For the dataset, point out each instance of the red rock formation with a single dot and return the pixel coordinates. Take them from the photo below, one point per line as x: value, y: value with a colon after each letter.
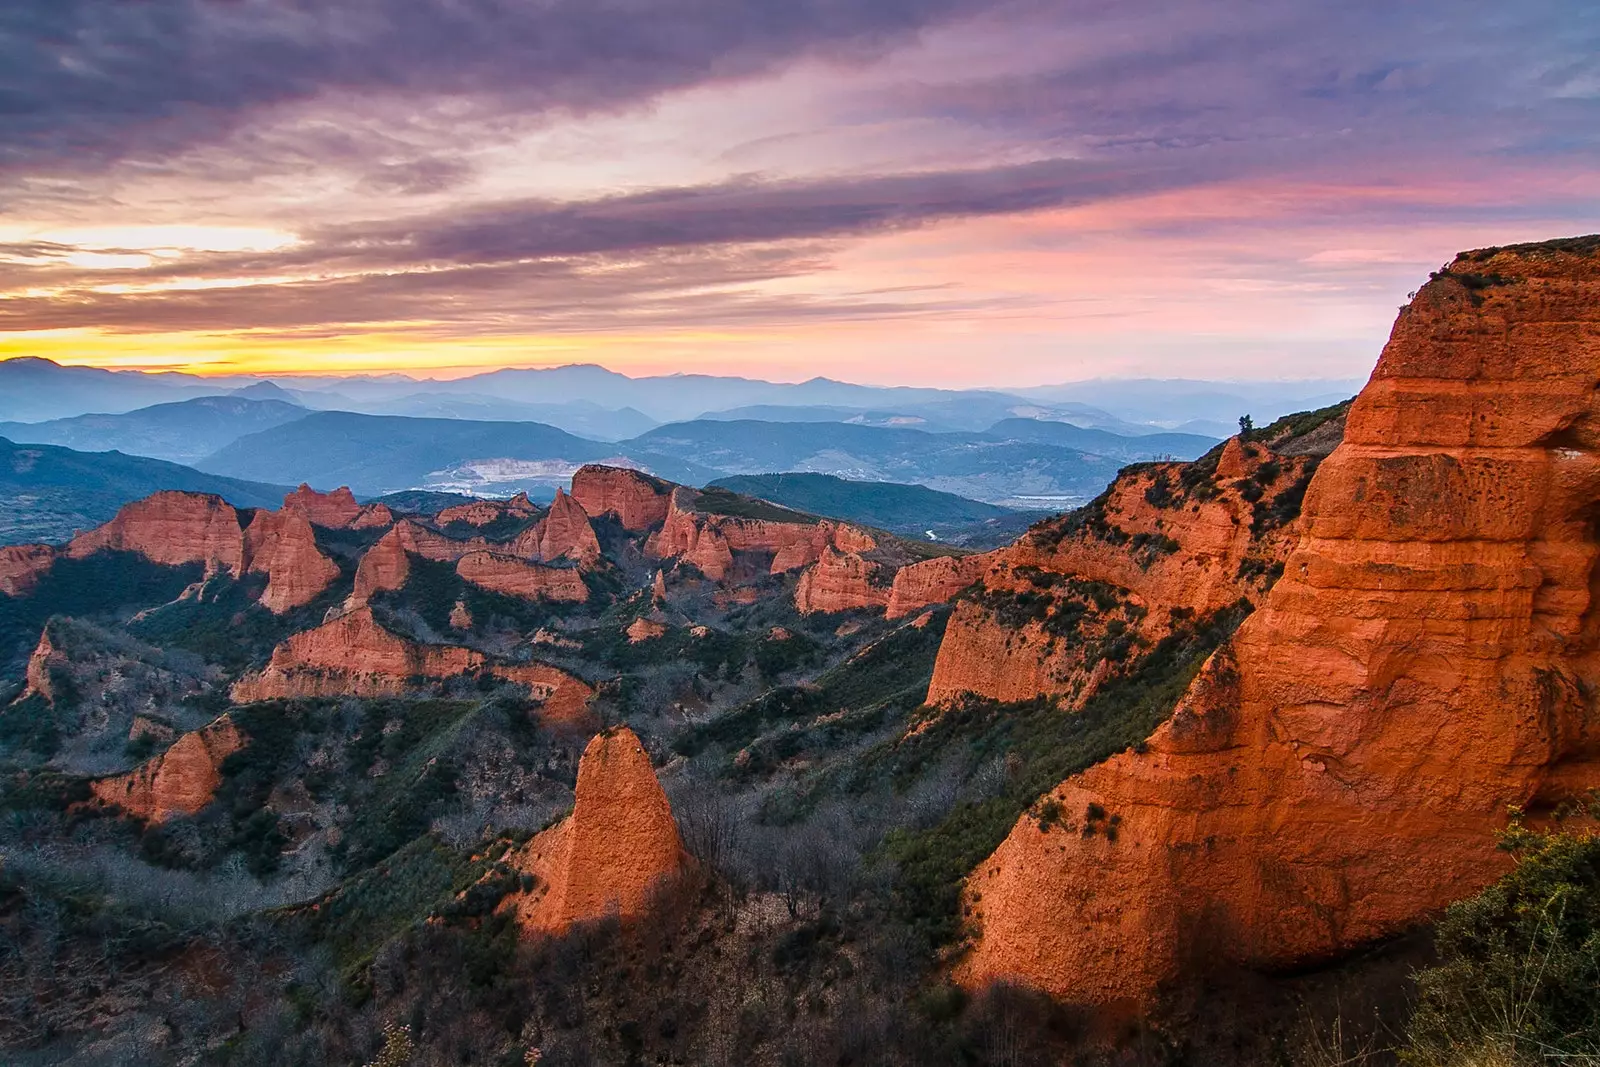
x: 658, y: 589
x: 642, y: 629
x: 281, y: 545
x: 839, y: 581
x: 709, y: 541
x: 372, y: 517
x: 564, y: 533
x: 337, y: 509
x: 171, y: 528
x: 22, y: 565
x: 385, y: 566
x: 515, y: 577
x: 933, y: 581
x: 619, y: 846
x: 1153, y: 545
x: 353, y: 655
x: 637, y: 500
x: 460, y: 617
x: 1339, y: 771
x: 181, y: 781
x: 484, y: 512
x: 37, y: 676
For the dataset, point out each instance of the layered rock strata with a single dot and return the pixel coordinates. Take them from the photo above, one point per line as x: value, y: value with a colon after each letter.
x: 1167, y: 543
x: 633, y: 498
x: 1340, y: 769
x: 180, y: 781
x: 564, y: 533
x: 612, y: 855
x: 519, y: 578
x: 352, y: 655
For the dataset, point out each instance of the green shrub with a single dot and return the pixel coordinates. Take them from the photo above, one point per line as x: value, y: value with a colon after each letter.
x: 1519, y: 977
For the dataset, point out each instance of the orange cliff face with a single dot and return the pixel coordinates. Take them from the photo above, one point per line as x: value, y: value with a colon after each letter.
x: 709, y: 540
x: 1340, y: 769
x: 21, y: 566
x: 352, y: 655
x: 172, y: 528
x: 336, y: 509
x: 518, y: 578
x: 181, y: 781
x: 176, y: 528
x: 840, y: 581
x: 933, y: 581
x: 281, y: 545
x: 616, y: 850
x: 1166, y: 543
x: 385, y: 565
x: 564, y: 533
x: 635, y: 499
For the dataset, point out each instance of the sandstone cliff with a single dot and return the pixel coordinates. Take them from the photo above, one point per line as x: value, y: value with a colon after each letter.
x: 635, y: 499
x: 1086, y: 595
x: 281, y: 545
x: 516, y: 577
x: 840, y: 581
x: 172, y: 528
x: 564, y: 533
x: 1339, y: 770
x: 181, y: 781
x: 709, y: 540
x: 484, y: 512
x: 933, y: 581
x: 22, y: 565
x: 619, y: 846
x: 336, y: 509
x: 352, y: 655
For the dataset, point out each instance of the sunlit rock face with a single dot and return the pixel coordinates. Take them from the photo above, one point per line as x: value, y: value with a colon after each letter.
x: 180, y: 781
x: 613, y: 854
x: 634, y: 499
x: 1340, y: 769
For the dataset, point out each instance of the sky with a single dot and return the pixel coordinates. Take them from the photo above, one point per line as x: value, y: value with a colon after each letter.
x: 933, y: 192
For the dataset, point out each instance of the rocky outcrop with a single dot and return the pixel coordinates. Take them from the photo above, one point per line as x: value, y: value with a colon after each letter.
x: 709, y: 541
x: 1166, y: 543
x: 352, y: 655
x: 933, y: 581
x: 840, y: 581
x: 176, y: 528
x: 1340, y: 769
x: 519, y: 578
x: 633, y: 498
x: 282, y: 545
x: 172, y: 528
x: 38, y: 678
x: 337, y: 509
x: 643, y: 629
x: 484, y: 512
x: 612, y: 855
x: 181, y: 781
x: 386, y: 566
x: 564, y: 533
x: 21, y: 566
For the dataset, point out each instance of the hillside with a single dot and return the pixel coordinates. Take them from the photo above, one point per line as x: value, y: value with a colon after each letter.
x: 182, y: 432
x: 911, y: 510
x: 973, y: 465
x: 48, y: 492
x: 377, y: 454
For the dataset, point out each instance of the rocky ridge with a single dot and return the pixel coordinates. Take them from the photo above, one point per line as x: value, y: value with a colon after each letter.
x: 1340, y: 769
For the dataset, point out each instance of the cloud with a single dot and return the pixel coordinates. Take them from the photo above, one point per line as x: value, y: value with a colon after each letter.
x: 84, y: 83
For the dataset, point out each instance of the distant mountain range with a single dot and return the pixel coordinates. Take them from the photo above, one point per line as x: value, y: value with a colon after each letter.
x: 184, y: 431
x: 594, y: 402
x: 47, y: 492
